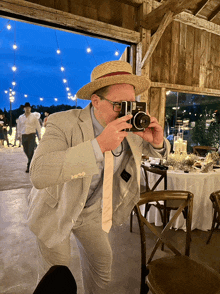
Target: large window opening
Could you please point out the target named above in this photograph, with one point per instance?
(46, 66)
(197, 117)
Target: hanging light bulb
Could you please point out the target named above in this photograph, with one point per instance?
(88, 50)
(58, 51)
(14, 68)
(25, 95)
(116, 53)
(8, 26)
(67, 88)
(62, 68)
(64, 80)
(6, 91)
(13, 83)
(13, 92)
(55, 99)
(15, 46)
(41, 99)
(69, 94)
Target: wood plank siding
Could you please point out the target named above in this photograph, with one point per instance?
(187, 56)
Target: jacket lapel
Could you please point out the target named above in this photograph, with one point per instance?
(85, 124)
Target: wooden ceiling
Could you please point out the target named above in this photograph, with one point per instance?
(208, 10)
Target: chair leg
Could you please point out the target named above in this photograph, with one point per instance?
(144, 287)
(131, 220)
(213, 227)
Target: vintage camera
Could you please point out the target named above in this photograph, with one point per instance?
(140, 120)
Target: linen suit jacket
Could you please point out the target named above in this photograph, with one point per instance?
(61, 172)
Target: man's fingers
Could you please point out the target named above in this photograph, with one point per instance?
(123, 118)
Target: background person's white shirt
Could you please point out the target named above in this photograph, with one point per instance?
(28, 125)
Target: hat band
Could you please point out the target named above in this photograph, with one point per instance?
(115, 74)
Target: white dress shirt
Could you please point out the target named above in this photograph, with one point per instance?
(28, 125)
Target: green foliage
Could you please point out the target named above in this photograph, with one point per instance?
(203, 136)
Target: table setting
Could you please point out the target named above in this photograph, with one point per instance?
(189, 172)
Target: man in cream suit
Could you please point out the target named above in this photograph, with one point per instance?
(67, 173)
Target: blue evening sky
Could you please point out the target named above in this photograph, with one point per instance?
(38, 73)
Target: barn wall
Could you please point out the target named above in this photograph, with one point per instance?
(188, 56)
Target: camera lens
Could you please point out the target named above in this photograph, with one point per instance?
(141, 120)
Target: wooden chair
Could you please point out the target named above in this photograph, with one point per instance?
(203, 150)
(176, 274)
(215, 198)
(162, 177)
(165, 207)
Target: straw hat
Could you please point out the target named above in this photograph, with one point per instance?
(111, 73)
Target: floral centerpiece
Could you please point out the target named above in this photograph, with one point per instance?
(181, 161)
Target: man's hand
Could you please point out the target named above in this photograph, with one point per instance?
(112, 135)
(153, 133)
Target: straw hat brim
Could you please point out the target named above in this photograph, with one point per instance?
(140, 83)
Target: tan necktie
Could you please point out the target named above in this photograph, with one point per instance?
(107, 192)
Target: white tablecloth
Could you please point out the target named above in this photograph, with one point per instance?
(201, 185)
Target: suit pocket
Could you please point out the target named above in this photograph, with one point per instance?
(51, 197)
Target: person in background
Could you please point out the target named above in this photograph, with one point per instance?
(4, 124)
(46, 113)
(16, 135)
(27, 126)
(67, 173)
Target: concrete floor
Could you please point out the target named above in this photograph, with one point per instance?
(18, 254)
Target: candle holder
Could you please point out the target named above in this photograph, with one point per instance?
(179, 145)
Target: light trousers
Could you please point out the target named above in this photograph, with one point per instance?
(94, 247)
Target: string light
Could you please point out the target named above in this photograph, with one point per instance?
(62, 68)
(6, 91)
(89, 50)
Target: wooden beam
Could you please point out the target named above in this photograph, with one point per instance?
(201, 6)
(188, 18)
(156, 37)
(187, 89)
(153, 19)
(134, 3)
(34, 13)
(214, 13)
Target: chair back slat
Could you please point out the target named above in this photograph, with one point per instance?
(187, 201)
(161, 173)
(202, 150)
(215, 198)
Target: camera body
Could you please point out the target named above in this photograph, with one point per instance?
(140, 120)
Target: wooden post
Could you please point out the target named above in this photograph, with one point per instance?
(142, 47)
(156, 38)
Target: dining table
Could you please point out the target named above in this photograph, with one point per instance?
(200, 184)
